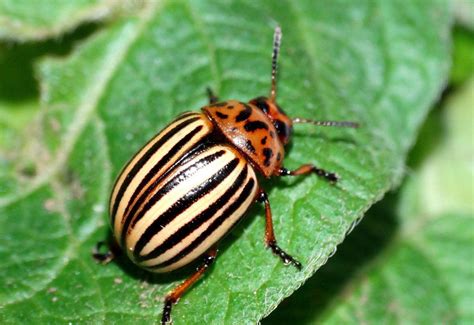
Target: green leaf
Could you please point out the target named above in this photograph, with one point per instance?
(340, 60)
(410, 260)
(34, 20)
(20, 105)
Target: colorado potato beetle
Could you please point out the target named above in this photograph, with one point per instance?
(191, 183)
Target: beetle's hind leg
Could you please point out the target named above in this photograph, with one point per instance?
(173, 297)
(270, 239)
(308, 169)
(105, 257)
(212, 96)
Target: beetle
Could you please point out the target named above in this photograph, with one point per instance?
(190, 184)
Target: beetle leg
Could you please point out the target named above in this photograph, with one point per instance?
(212, 97)
(270, 239)
(173, 297)
(307, 169)
(103, 258)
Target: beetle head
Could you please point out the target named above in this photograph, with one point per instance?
(281, 122)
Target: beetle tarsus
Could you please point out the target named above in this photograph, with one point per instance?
(102, 258)
(166, 318)
(307, 169)
(285, 257)
(181, 289)
(270, 239)
(331, 177)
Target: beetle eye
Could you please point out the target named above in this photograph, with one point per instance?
(284, 130)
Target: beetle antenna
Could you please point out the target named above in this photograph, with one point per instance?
(344, 124)
(276, 50)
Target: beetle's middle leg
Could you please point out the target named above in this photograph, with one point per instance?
(308, 169)
(270, 239)
(212, 97)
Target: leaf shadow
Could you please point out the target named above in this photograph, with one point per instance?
(17, 62)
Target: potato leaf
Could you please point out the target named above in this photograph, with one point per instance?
(377, 62)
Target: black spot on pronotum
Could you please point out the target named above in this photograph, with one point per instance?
(279, 156)
(230, 107)
(249, 146)
(255, 125)
(261, 102)
(244, 114)
(272, 134)
(264, 140)
(268, 153)
(221, 115)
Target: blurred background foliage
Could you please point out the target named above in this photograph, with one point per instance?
(411, 258)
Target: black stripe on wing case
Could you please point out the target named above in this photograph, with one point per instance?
(183, 203)
(145, 202)
(139, 164)
(212, 227)
(153, 171)
(198, 220)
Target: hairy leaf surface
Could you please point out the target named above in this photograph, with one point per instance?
(376, 62)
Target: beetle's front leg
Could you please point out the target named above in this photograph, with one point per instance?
(308, 169)
(270, 239)
(173, 297)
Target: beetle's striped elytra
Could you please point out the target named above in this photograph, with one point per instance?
(190, 184)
